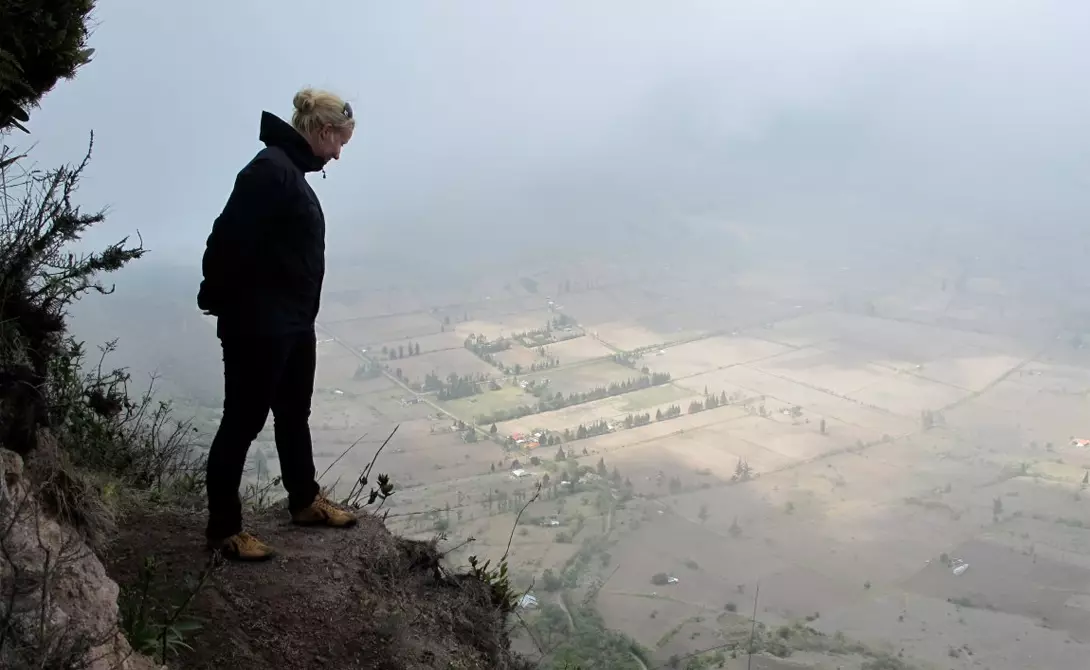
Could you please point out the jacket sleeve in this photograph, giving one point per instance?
(231, 248)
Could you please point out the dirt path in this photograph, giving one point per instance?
(564, 606)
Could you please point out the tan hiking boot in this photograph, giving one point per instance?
(243, 547)
(323, 513)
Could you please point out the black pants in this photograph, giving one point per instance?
(262, 374)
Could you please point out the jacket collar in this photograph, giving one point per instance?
(275, 132)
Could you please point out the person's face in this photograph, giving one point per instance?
(330, 142)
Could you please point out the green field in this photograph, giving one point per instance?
(509, 397)
(650, 397)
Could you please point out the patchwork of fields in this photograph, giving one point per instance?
(838, 460)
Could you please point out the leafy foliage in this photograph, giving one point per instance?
(41, 41)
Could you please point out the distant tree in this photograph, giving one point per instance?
(703, 513)
(1086, 478)
(997, 508)
(822, 426)
(560, 454)
(471, 435)
(417, 348)
(493, 466)
(397, 373)
(446, 320)
(493, 430)
(400, 351)
(545, 479)
(549, 581)
(385, 350)
(602, 471)
(660, 579)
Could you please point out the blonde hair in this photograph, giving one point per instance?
(315, 109)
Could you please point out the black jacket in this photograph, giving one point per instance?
(265, 258)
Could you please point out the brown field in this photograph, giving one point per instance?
(848, 525)
(428, 343)
(458, 361)
(578, 350)
(369, 331)
(625, 336)
(504, 325)
(519, 355)
(693, 358)
(584, 377)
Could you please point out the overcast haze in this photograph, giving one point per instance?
(496, 118)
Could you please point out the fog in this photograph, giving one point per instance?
(788, 293)
(866, 121)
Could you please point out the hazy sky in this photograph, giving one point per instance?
(500, 118)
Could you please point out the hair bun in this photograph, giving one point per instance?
(304, 101)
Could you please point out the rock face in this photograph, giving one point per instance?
(58, 607)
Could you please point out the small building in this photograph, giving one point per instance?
(519, 473)
(528, 602)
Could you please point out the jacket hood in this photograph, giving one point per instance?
(275, 132)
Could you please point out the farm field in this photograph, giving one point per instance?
(369, 331)
(584, 377)
(819, 477)
(578, 350)
(458, 361)
(490, 402)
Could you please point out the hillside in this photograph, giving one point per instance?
(361, 598)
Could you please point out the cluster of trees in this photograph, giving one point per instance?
(486, 350)
(710, 402)
(481, 345)
(582, 432)
(930, 419)
(367, 371)
(402, 351)
(628, 359)
(742, 471)
(637, 420)
(672, 412)
(547, 335)
(455, 386)
(548, 401)
(536, 366)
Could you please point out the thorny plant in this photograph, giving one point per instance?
(355, 498)
(264, 493)
(160, 636)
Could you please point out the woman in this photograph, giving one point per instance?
(263, 270)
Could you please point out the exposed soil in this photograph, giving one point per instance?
(358, 598)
